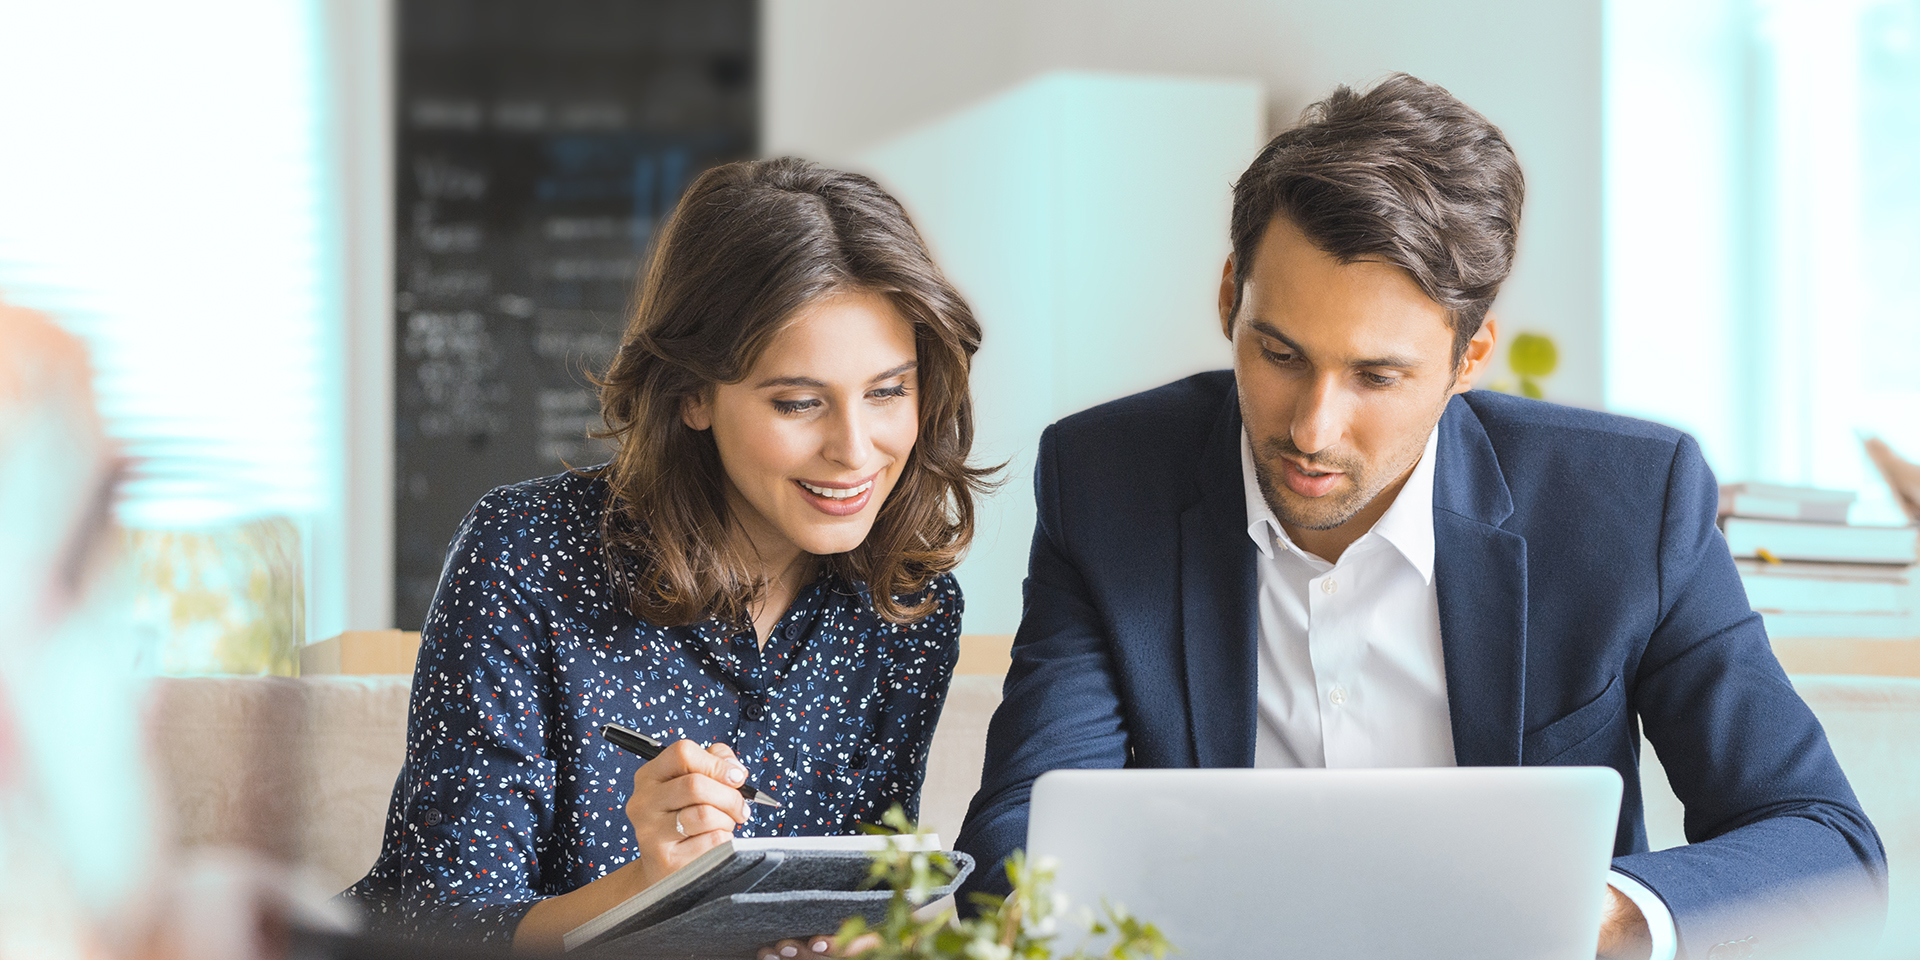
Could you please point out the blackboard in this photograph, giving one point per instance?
(538, 145)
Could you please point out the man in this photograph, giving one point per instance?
(1335, 555)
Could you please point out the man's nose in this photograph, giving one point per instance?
(1320, 416)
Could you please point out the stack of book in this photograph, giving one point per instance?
(1812, 574)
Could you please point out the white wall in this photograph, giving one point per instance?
(1085, 216)
(842, 75)
(859, 83)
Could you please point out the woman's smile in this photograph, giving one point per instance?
(839, 500)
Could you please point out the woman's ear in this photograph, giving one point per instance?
(696, 410)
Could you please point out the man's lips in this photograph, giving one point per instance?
(1309, 483)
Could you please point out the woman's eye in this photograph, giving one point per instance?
(795, 406)
(889, 393)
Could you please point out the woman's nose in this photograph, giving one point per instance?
(849, 440)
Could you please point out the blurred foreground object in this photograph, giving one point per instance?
(1902, 476)
(83, 869)
(77, 849)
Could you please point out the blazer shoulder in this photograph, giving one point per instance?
(1519, 424)
(1167, 425)
(1568, 468)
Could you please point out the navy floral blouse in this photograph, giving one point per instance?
(510, 795)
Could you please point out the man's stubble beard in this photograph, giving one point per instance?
(1332, 512)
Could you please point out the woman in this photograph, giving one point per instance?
(763, 567)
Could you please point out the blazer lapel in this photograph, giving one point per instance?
(1218, 582)
(1480, 576)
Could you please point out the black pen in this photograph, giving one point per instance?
(646, 748)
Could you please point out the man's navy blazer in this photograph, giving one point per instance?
(1582, 584)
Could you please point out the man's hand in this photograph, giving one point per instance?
(1623, 930)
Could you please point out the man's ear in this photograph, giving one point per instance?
(1226, 298)
(696, 410)
(1479, 356)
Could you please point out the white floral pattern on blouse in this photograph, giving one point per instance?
(510, 795)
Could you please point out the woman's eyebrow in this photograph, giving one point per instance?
(789, 382)
(821, 385)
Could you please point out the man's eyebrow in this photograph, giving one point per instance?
(821, 385)
(1266, 329)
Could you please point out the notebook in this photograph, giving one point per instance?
(747, 892)
(1831, 543)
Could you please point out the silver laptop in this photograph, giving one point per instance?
(1477, 863)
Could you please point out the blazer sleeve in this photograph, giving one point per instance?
(1060, 705)
(1778, 849)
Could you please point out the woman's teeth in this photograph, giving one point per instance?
(835, 493)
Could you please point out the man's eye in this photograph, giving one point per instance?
(1378, 380)
(795, 406)
(1277, 357)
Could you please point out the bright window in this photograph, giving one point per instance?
(163, 193)
(1763, 178)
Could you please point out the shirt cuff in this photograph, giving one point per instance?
(1666, 937)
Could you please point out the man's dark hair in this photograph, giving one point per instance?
(1403, 173)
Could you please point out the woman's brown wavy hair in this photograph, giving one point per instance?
(749, 245)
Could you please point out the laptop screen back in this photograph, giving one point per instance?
(1476, 863)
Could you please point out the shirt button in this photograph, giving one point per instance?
(793, 631)
(1329, 585)
(434, 816)
(755, 711)
(1337, 696)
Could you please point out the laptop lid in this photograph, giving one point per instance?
(1474, 863)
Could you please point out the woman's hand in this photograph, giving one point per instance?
(685, 802)
(816, 948)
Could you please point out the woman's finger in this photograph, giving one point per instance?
(861, 944)
(695, 788)
(701, 818)
(682, 757)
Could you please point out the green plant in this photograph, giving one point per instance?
(1020, 926)
(1532, 357)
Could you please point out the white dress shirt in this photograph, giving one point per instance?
(1351, 673)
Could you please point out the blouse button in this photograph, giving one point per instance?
(793, 631)
(434, 816)
(753, 704)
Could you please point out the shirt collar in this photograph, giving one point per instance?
(1407, 524)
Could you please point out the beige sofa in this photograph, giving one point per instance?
(304, 767)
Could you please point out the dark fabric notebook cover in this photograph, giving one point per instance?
(807, 894)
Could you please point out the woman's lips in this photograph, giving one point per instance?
(837, 500)
(1308, 484)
